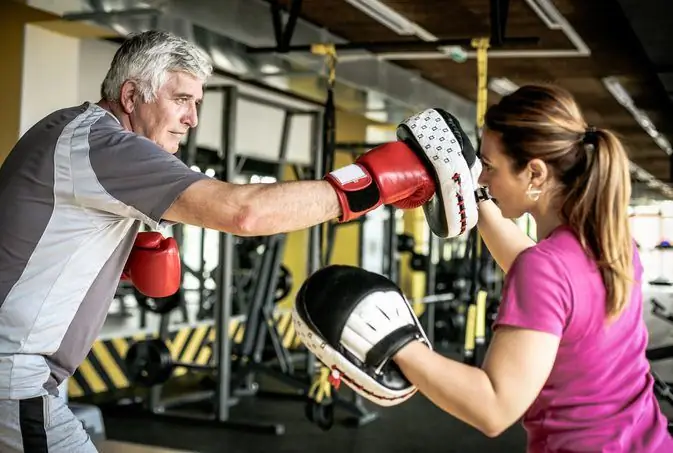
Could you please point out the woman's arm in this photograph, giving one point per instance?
(532, 316)
(504, 238)
(493, 397)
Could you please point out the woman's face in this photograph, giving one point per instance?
(507, 187)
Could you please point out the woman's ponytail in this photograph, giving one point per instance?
(596, 207)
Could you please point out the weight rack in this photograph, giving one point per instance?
(234, 382)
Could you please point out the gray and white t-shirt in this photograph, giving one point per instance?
(74, 192)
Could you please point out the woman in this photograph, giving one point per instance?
(568, 351)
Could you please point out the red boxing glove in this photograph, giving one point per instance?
(154, 265)
(388, 174)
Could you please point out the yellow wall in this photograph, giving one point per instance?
(14, 15)
(11, 24)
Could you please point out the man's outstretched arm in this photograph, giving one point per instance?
(387, 174)
(255, 209)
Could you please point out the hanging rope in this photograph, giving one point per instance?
(476, 312)
(329, 117)
(329, 137)
(330, 54)
(321, 387)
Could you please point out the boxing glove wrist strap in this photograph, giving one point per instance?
(356, 190)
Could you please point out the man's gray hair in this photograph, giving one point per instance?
(147, 58)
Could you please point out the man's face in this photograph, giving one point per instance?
(167, 119)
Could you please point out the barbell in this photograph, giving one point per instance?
(149, 362)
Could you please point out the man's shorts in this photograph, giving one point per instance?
(43, 424)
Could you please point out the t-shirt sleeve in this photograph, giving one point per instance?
(536, 294)
(128, 175)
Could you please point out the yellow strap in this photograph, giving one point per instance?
(329, 51)
(482, 45)
(321, 388)
(470, 328)
(480, 328)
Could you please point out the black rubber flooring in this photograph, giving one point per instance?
(416, 426)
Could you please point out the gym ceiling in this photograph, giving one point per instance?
(615, 56)
(598, 49)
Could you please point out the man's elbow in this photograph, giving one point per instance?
(246, 222)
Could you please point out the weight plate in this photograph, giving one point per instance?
(149, 362)
(323, 415)
(284, 283)
(159, 305)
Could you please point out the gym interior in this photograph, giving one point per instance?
(299, 88)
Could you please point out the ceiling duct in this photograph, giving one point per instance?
(227, 28)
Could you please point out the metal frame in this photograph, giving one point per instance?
(284, 34)
(225, 394)
(499, 10)
(431, 285)
(233, 383)
(322, 164)
(390, 46)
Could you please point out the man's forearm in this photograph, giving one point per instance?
(287, 206)
(463, 391)
(504, 238)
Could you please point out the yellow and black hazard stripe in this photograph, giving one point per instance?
(103, 370)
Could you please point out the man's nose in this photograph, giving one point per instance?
(192, 117)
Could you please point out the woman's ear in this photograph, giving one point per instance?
(538, 172)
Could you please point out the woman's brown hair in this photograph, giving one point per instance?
(545, 122)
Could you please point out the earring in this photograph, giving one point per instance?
(532, 193)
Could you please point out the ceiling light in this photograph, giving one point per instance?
(618, 92)
(456, 53)
(547, 12)
(502, 86)
(622, 96)
(269, 69)
(390, 18)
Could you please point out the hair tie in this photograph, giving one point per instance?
(590, 136)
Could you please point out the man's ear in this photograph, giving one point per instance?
(128, 96)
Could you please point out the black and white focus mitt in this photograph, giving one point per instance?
(439, 139)
(355, 321)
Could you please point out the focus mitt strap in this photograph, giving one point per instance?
(355, 321)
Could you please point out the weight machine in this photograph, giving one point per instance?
(662, 387)
(235, 367)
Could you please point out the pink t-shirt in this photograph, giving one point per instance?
(599, 396)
